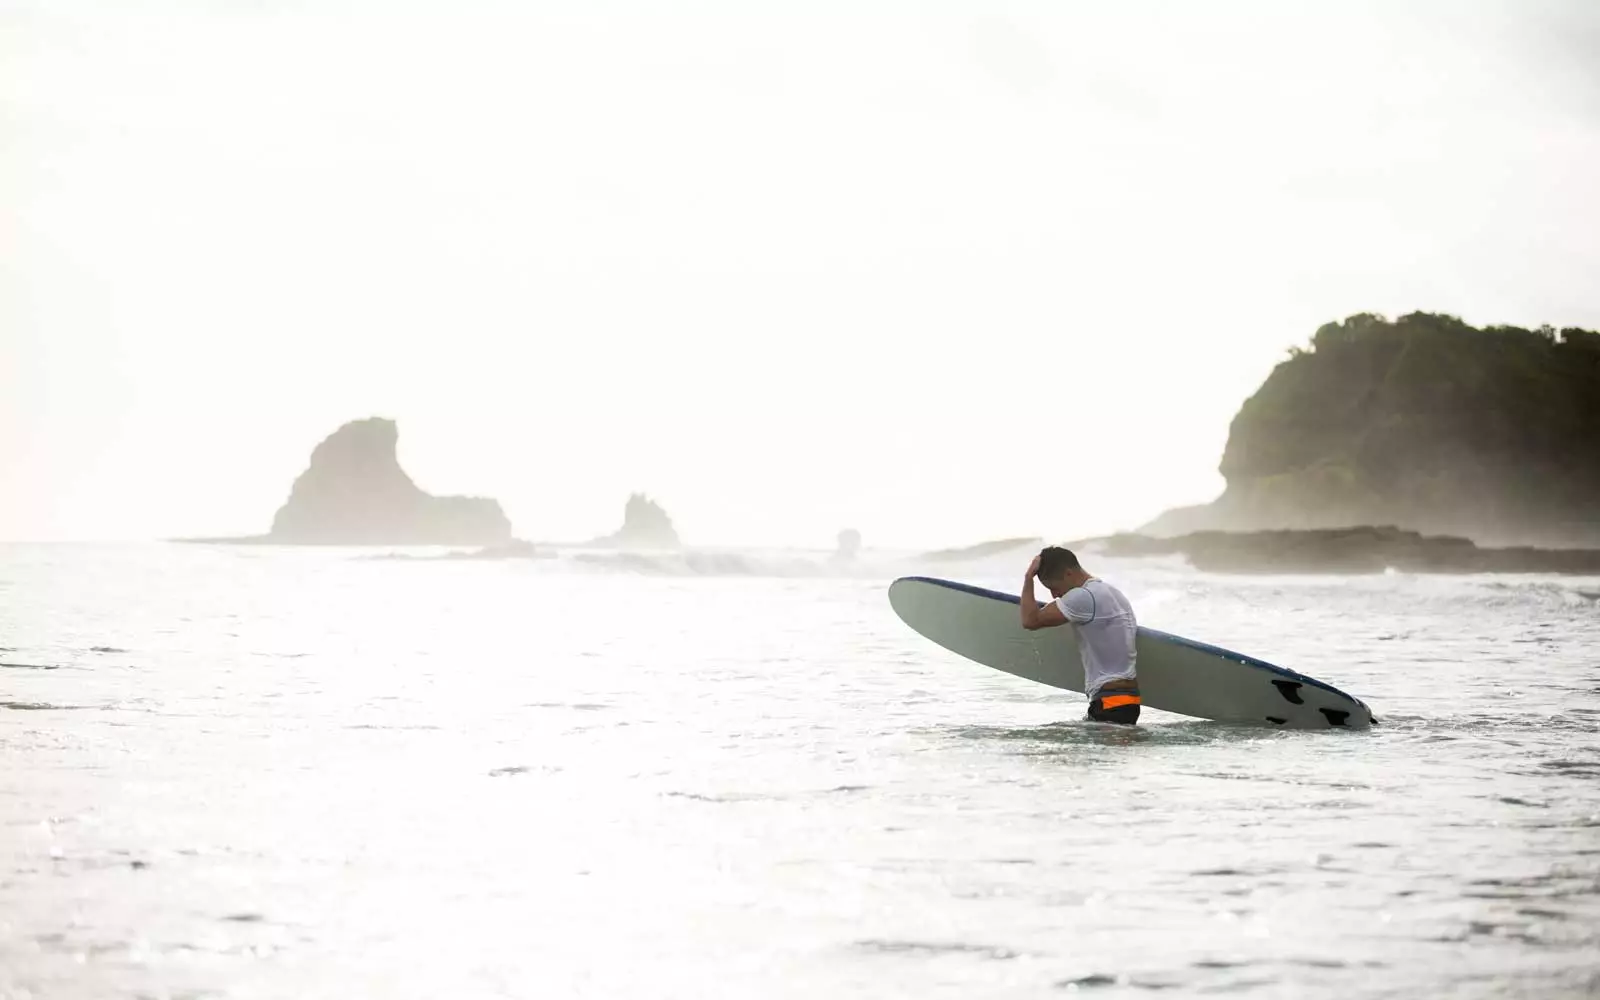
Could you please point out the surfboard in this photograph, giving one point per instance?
(1175, 674)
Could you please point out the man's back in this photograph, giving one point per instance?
(1106, 628)
(1104, 620)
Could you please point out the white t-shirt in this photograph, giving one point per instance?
(1106, 628)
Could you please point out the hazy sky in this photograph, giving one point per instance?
(940, 272)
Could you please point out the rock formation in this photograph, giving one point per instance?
(355, 493)
(644, 526)
(848, 547)
(1425, 423)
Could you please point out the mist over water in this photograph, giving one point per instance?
(787, 269)
(254, 772)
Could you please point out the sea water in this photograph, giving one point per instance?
(265, 772)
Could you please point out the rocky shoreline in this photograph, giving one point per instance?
(1353, 550)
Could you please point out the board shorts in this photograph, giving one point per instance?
(1120, 706)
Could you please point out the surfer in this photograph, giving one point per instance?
(1105, 625)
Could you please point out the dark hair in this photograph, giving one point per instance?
(1055, 560)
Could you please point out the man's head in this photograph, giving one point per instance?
(1059, 570)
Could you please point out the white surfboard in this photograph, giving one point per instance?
(1175, 674)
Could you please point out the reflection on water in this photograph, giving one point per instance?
(1177, 730)
(273, 773)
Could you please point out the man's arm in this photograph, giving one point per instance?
(1035, 615)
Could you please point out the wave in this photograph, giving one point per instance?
(1156, 580)
(999, 566)
(693, 562)
(779, 563)
(1576, 593)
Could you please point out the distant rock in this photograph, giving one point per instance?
(848, 547)
(1364, 549)
(983, 549)
(354, 492)
(645, 525)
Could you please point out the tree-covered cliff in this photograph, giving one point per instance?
(1426, 423)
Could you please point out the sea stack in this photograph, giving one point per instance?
(645, 525)
(848, 547)
(355, 493)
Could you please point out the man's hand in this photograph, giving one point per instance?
(1035, 615)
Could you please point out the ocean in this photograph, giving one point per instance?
(252, 772)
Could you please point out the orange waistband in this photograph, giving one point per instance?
(1118, 700)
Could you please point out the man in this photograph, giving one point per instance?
(1106, 628)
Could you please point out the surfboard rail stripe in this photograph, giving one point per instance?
(1153, 633)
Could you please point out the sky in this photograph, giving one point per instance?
(940, 272)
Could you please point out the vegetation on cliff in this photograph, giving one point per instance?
(1425, 422)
